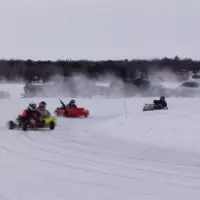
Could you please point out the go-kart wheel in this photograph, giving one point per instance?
(52, 125)
(24, 126)
(87, 113)
(11, 125)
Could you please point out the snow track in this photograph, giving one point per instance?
(151, 155)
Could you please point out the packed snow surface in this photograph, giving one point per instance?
(111, 155)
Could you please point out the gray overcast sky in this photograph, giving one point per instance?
(99, 29)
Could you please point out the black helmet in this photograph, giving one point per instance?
(42, 104)
(32, 106)
(162, 98)
(72, 101)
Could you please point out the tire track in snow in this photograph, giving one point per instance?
(131, 157)
(116, 165)
(124, 167)
(130, 177)
(108, 153)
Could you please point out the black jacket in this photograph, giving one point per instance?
(71, 106)
(161, 103)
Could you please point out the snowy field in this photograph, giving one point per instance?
(109, 156)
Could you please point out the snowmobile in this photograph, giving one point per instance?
(22, 123)
(71, 112)
(151, 107)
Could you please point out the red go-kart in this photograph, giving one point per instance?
(72, 112)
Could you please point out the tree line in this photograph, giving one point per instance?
(27, 70)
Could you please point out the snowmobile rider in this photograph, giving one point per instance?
(31, 114)
(71, 104)
(43, 112)
(160, 103)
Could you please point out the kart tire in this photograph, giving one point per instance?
(11, 125)
(52, 125)
(24, 126)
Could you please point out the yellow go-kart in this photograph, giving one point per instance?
(22, 123)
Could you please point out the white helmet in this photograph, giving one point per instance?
(32, 106)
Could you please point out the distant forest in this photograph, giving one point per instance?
(27, 70)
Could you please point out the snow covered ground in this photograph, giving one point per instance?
(108, 156)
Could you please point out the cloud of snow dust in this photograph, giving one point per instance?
(160, 82)
(164, 82)
(79, 85)
(163, 76)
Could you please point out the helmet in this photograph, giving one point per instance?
(162, 98)
(32, 106)
(42, 104)
(72, 101)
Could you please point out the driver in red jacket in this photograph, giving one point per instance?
(31, 114)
